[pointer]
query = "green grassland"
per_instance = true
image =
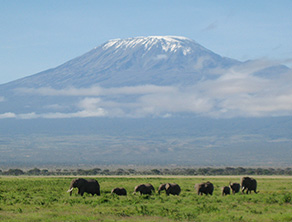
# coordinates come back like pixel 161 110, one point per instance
pixel 46 199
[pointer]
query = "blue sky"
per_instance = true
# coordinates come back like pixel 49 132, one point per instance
pixel 38 35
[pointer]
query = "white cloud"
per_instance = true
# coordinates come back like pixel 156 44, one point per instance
pixel 7 115
pixel 31 115
pixel 232 92
pixel 80 114
pixel 161 56
pixel 89 107
pixel 181 101
pixel 89 103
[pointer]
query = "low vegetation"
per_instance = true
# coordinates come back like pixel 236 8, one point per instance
pixel 45 199
pixel 164 171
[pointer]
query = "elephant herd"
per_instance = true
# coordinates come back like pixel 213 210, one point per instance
pixel 92 187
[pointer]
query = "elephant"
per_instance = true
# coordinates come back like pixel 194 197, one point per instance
pixel 204 188
pixel 225 190
pixel 90 186
pixel 249 184
pixel 235 187
pixel 144 189
pixel 119 191
pixel 170 188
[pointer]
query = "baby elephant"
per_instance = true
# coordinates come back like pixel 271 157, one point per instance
pixel 144 189
pixel 170 188
pixel 235 187
pixel 119 191
pixel 204 188
pixel 225 191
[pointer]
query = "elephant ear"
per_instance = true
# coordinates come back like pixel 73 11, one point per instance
pixel 161 187
pixel 167 186
pixel 73 182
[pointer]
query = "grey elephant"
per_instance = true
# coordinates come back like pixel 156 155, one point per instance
pixel 90 186
pixel 204 188
pixel 235 187
pixel 144 189
pixel 225 190
pixel 248 184
pixel 170 188
pixel 121 191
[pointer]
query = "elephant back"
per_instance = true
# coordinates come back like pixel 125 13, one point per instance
pixel 144 189
pixel 205 188
pixel 235 187
pixel 150 186
pixel 119 191
pixel 245 181
pixel 225 190
pixel 173 188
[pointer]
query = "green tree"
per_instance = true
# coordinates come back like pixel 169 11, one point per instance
pixel 34 171
pixel 14 172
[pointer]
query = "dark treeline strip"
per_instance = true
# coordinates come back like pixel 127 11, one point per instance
pixel 165 171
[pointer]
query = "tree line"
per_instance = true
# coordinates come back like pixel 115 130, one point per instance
pixel 207 171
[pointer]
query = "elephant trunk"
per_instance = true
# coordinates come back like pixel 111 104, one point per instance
pixel 161 187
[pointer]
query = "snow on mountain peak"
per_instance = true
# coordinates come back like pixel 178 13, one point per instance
pixel 167 43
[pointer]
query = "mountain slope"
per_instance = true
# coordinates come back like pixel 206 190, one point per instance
pixel 154 60
pixel 150 76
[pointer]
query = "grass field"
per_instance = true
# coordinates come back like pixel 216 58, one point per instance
pixel 46 199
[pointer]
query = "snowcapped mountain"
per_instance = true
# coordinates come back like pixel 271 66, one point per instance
pixel 156 98
pixel 158 60
pixel 146 76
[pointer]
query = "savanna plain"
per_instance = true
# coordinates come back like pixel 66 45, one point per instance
pixel 25 198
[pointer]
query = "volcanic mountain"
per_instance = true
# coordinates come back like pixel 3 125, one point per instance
pixel 156 64
pixel 151 100
pixel 157 60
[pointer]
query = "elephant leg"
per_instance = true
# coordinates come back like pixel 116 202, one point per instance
pixel 81 191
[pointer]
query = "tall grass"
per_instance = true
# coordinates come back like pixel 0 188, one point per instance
pixel 46 199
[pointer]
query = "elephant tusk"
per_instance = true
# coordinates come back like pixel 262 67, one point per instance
pixel 70 190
